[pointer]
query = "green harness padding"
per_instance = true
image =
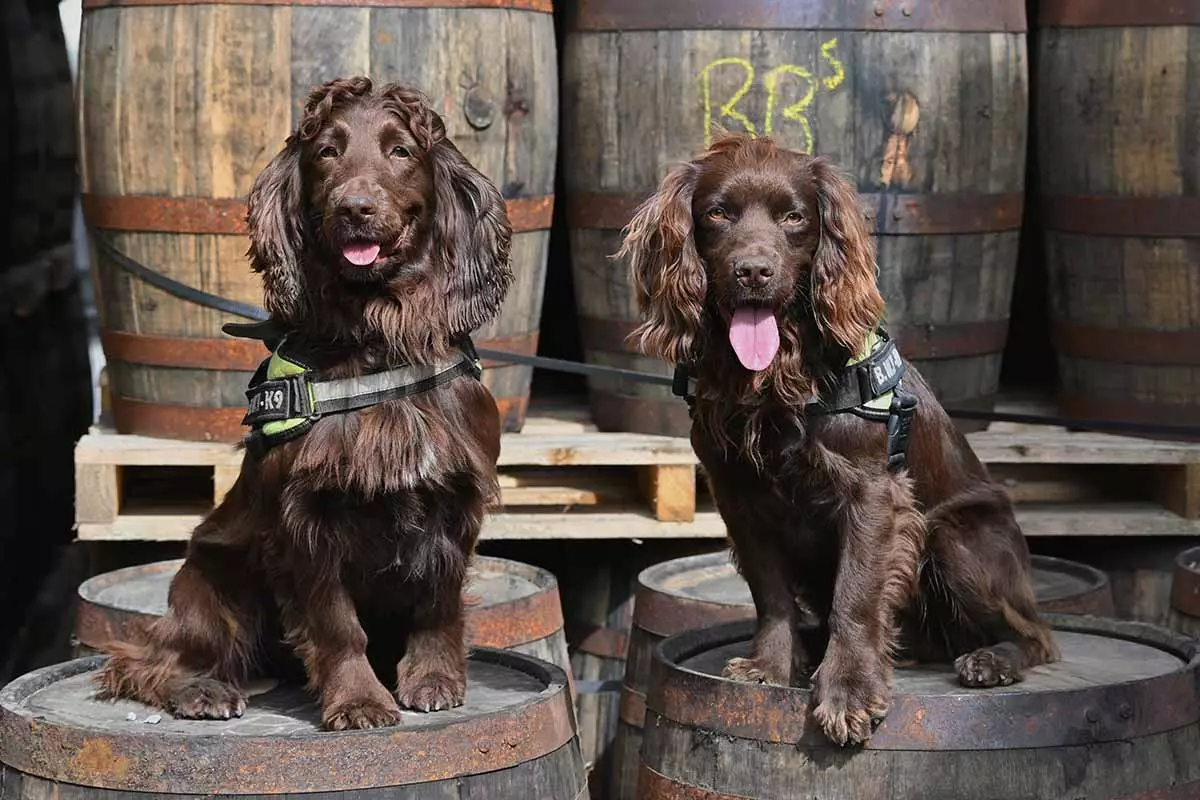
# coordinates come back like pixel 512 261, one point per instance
pixel 869 386
pixel 285 401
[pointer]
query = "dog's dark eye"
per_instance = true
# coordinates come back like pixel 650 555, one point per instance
pixel 794 218
pixel 328 152
pixel 400 151
pixel 716 213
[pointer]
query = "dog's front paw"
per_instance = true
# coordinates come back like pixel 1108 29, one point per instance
pixel 753 670
pixel 204 698
pixel 432 691
pixel 849 706
pixel 985 668
pixel 361 713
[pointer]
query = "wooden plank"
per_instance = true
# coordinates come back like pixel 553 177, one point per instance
pixel 1048 447
pixel 671 491
pixel 1179 490
pixel 566 441
pixel 97 493
pixel 223 479
pixel 524 449
pixel 1124 519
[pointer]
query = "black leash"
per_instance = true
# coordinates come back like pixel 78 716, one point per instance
pixel 185 292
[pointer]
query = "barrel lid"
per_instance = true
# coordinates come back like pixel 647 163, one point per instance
pixel 516 710
pixel 1116 681
pixel 691 592
pixel 516 602
pixel 1057 579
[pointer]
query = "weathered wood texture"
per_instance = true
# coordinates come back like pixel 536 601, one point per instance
pixel 1118 132
pixel 512 739
pixel 931 124
pixel 190 102
pixel 518 607
pixel 1109 707
pixel 698 591
pixel 598 603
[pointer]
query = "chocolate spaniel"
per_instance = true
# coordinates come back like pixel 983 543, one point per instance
pixel 342 548
pixel 844 485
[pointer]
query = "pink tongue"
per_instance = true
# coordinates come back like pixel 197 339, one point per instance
pixel 361 255
pixel 754 335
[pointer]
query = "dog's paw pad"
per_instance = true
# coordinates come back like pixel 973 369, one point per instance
pixel 205 698
pixel 432 692
pixel 848 725
pixel 985 668
pixel 360 714
pixel 745 670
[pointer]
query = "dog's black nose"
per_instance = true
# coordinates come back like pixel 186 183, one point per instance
pixel 753 273
pixel 357 207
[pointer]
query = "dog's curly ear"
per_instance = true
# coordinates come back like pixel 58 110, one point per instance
pixel 471 224
pixel 845 295
pixel 666 270
pixel 276 221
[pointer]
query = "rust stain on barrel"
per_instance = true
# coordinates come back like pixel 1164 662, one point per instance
pixel 96 757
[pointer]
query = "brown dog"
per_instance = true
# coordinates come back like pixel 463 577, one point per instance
pixel 380 246
pixel 753 264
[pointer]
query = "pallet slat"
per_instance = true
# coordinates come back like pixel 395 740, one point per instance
pixel 563 479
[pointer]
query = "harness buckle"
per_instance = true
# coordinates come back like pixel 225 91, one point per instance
pixel 899 424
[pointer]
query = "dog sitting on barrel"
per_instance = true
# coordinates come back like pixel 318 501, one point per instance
pixel 844 486
pixel 346 538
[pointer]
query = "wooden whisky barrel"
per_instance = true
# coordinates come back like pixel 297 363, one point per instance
pixel 513 739
pixel 1069 587
pixel 700 591
pixel 1120 187
pixel 518 607
pixel 1185 593
pixel 1108 721
pixel 183 103
pixel 924 103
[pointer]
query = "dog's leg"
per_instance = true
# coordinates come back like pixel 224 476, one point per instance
pixel 432 675
pixel 881 538
pixel 194 656
pixel 778 652
pixel 323 627
pixel 979 566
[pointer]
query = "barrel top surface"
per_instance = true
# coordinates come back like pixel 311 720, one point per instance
pixel 515 710
pixel 143 588
pixel 1115 681
pixel 1058 578
pixel 710 577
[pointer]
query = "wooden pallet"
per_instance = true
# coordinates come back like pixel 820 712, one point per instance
pixel 138 487
pixel 561 479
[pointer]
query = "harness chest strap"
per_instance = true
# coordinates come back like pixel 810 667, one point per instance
pixel 284 401
pixel 870 386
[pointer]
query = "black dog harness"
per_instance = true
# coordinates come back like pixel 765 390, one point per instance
pixel 871 386
pixel 285 401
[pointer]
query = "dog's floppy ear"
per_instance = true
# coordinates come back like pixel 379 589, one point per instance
pixel 276 215
pixel 667 273
pixel 845 297
pixel 276 221
pixel 471 224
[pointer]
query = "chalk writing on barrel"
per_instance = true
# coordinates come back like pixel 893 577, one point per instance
pixel 776 82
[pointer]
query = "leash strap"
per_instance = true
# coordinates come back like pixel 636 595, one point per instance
pixel 185 292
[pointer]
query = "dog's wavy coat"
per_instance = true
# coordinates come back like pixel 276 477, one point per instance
pixel 379 244
pixel 754 264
